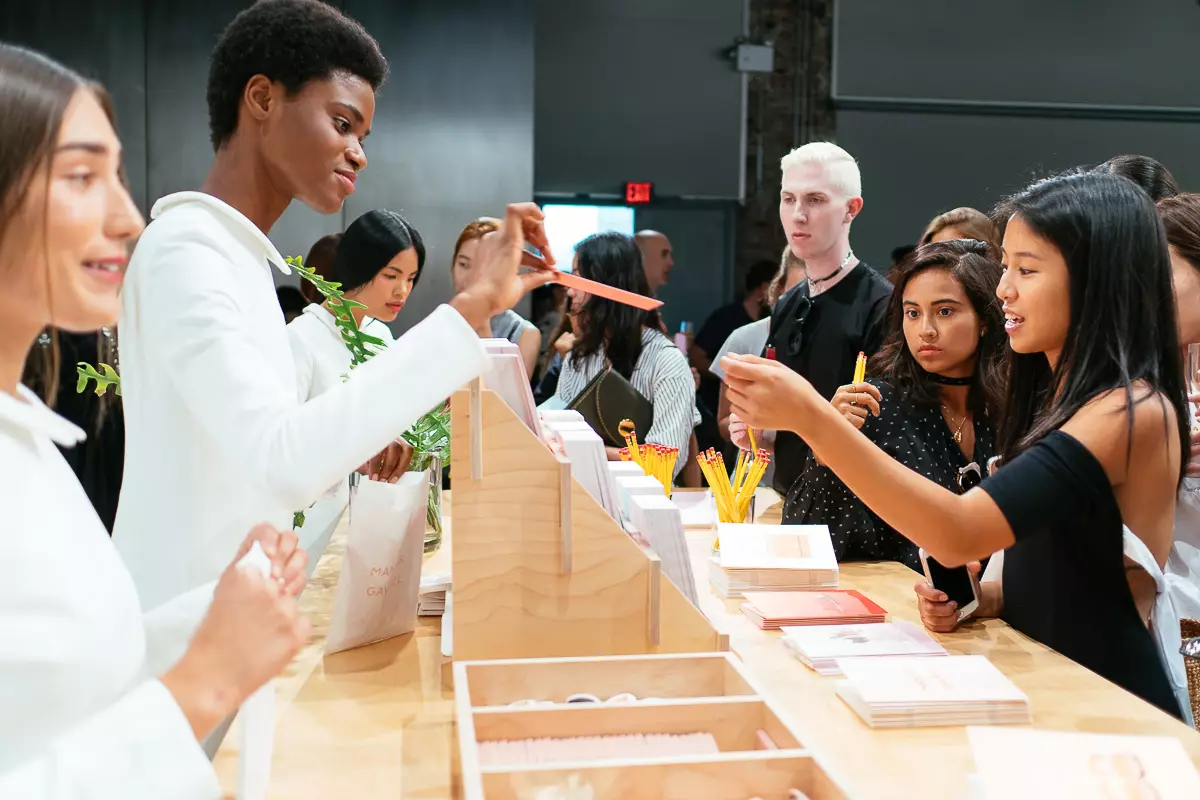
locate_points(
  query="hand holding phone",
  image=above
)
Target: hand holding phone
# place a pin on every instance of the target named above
(959, 586)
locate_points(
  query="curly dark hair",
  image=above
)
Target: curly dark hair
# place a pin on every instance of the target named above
(972, 264)
(290, 41)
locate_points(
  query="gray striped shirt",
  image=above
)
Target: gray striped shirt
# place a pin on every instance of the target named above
(662, 376)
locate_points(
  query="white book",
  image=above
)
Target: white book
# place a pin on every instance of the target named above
(792, 547)
(821, 646)
(1032, 763)
(506, 376)
(658, 522)
(910, 691)
(630, 486)
(699, 510)
(585, 449)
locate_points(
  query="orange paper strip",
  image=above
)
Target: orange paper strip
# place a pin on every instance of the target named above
(607, 292)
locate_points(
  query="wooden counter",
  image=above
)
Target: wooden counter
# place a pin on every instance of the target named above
(378, 722)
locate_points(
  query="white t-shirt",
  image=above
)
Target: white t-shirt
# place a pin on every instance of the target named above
(748, 340)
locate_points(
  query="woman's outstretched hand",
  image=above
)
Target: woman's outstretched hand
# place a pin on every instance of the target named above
(768, 395)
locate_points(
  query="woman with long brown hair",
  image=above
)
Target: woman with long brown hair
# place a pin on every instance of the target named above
(81, 716)
(935, 388)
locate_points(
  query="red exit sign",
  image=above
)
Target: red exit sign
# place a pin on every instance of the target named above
(638, 193)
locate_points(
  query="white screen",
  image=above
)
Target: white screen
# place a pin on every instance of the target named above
(568, 225)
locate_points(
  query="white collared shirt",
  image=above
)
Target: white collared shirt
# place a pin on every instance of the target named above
(79, 715)
(216, 438)
(322, 358)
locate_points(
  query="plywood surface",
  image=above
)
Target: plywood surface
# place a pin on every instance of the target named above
(378, 722)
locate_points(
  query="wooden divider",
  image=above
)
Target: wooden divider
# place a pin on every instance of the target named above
(540, 569)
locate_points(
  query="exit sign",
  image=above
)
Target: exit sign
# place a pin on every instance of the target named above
(638, 193)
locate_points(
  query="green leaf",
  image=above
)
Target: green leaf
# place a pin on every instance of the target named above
(108, 377)
(429, 435)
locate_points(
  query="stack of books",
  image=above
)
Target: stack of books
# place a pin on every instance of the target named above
(506, 376)
(658, 522)
(915, 691)
(1026, 763)
(821, 646)
(631, 486)
(772, 558)
(773, 610)
(699, 510)
(431, 602)
(584, 448)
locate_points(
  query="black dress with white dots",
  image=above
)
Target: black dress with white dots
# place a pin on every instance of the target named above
(915, 435)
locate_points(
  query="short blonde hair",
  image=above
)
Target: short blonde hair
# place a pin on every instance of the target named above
(840, 167)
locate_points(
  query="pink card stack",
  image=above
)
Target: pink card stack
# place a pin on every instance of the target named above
(590, 748)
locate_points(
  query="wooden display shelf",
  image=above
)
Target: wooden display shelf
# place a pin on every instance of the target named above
(540, 569)
(702, 692)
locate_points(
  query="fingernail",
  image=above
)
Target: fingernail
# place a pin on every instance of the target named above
(953, 606)
(941, 598)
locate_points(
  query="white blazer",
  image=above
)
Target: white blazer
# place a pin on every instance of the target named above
(82, 714)
(216, 438)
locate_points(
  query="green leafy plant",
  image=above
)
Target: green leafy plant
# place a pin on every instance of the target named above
(104, 378)
(361, 345)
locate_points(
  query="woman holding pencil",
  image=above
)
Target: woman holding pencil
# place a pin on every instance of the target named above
(1095, 387)
(935, 387)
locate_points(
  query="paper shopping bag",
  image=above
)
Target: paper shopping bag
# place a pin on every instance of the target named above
(380, 580)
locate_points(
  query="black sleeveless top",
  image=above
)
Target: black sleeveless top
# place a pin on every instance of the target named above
(1064, 579)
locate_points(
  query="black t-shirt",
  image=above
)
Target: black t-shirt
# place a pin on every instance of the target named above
(722, 322)
(839, 324)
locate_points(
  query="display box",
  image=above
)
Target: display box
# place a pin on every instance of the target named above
(707, 693)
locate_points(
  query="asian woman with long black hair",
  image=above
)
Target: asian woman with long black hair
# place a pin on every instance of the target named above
(1095, 387)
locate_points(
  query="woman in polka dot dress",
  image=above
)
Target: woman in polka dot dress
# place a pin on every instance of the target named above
(936, 385)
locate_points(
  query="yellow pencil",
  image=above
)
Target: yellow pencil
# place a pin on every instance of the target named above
(860, 368)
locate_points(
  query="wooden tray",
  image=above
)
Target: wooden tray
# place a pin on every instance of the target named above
(702, 692)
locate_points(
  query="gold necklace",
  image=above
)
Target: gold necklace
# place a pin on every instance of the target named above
(959, 430)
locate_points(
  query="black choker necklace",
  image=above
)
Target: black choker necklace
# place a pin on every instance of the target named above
(944, 381)
(835, 273)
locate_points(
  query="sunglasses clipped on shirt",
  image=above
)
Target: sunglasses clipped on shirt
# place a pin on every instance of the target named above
(795, 336)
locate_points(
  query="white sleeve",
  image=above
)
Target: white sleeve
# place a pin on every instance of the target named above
(192, 331)
(673, 395)
(302, 357)
(169, 628)
(140, 748)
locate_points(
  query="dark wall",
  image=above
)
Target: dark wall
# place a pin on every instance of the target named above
(637, 90)
(453, 134)
(971, 108)
(111, 52)
(453, 130)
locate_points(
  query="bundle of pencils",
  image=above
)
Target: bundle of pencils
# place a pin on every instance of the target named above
(733, 494)
(656, 460)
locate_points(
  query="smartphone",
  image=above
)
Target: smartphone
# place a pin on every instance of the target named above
(957, 583)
